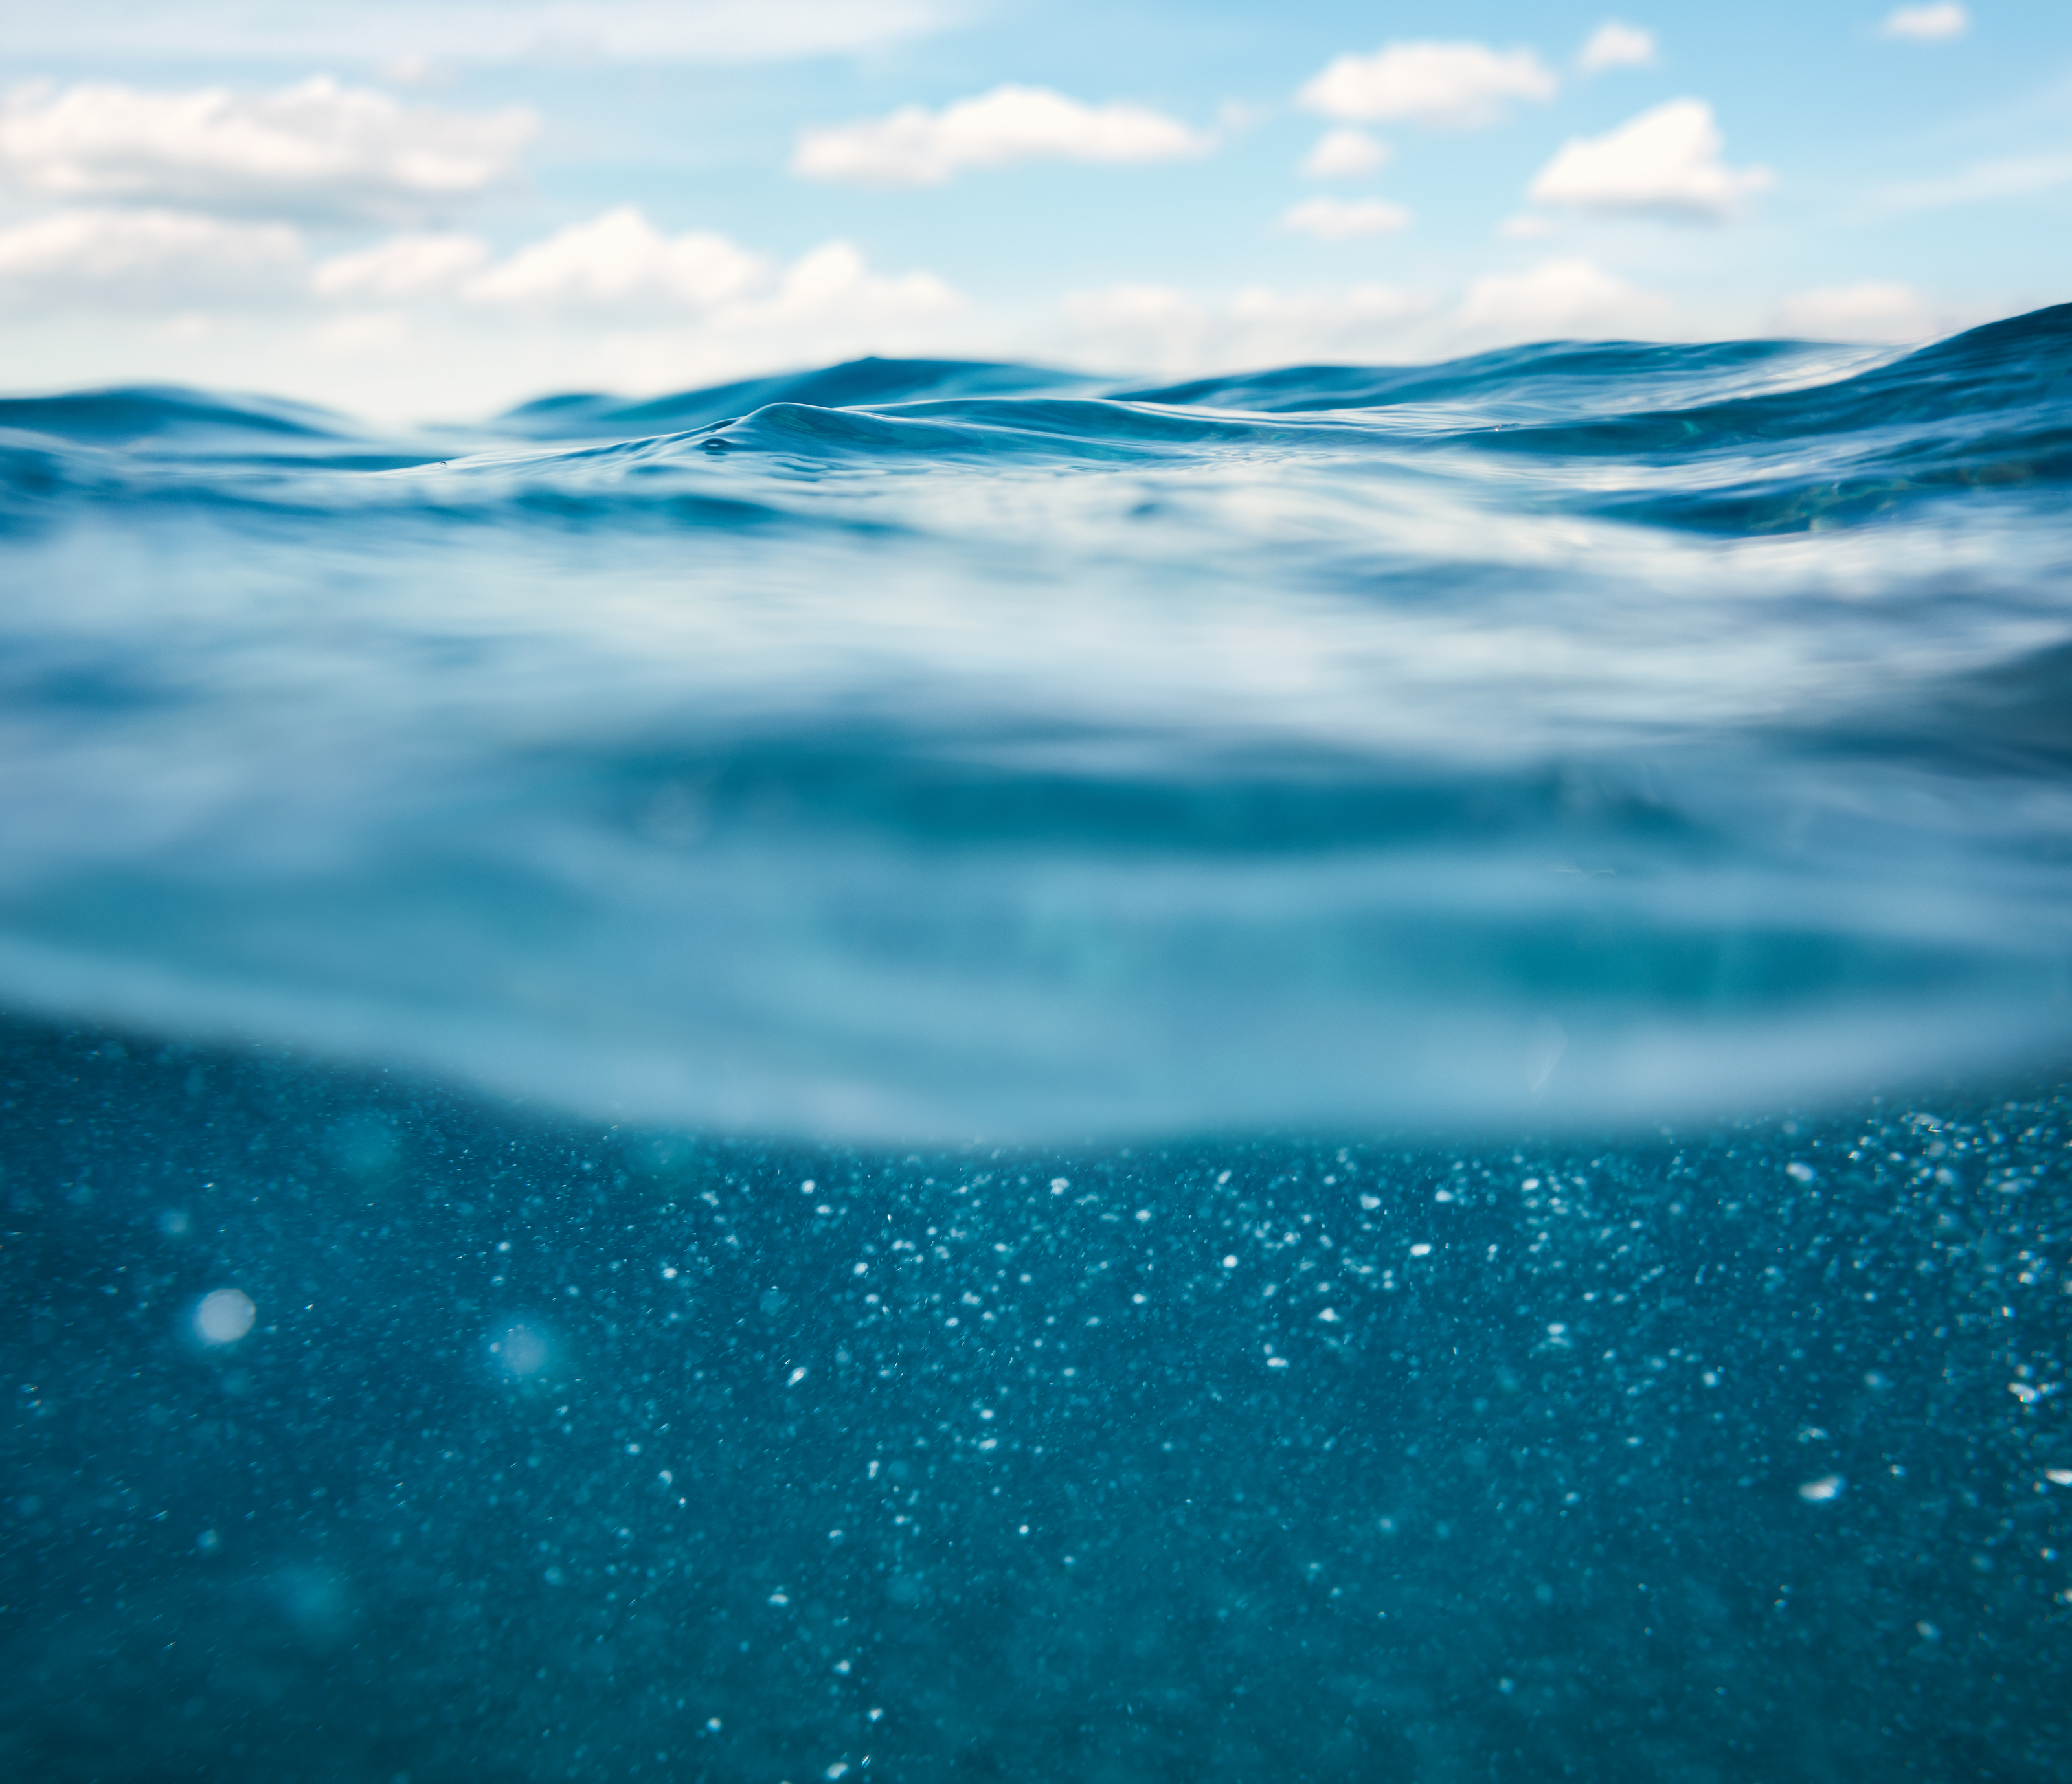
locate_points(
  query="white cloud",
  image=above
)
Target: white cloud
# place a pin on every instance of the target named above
(827, 305)
(1127, 307)
(362, 334)
(834, 284)
(1341, 219)
(1157, 331)
(1346, 153)
(1560, 299)
(1931, 24)
(404, 267)
(1528, 226)
(411, 69)
(147, 261)
(1869, 312)
(917, 147)
(1665, 162)
(596, 280)
(620, 260)
(398, 330)
(316, 148)
(1616, 45)
(1458, 86)
(471, 31)
(1364, 307)
(617, 268)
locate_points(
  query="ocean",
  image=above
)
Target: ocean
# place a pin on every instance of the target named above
(943, 1072)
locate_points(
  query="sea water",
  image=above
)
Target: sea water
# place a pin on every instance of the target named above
(949, 1071)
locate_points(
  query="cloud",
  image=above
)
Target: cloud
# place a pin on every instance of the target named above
(421, 324)
(1869, 312)
(602, 278)
(1341, 219)
(147, 261)
(1560, 299)
(402, 267)
(917, 147)
(620, 260)
(2015, 177)
(1455, 86)
(829, 304)
(314, 149)
(1615, 45)
(462, 348)
(1932, 24)
(1345, 154)
(617, 268)
(1665, 162)
(468, 31)
(834, 283)
(1155, 329)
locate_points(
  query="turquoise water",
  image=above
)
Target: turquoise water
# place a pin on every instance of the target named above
(555, 1451)
(944, 1072)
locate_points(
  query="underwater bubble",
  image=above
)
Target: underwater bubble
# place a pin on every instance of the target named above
(223, 1316)
(521, 1349)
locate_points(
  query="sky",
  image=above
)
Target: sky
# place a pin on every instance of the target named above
(433, 209)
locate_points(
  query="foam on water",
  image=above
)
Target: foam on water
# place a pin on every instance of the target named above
(1577, 733)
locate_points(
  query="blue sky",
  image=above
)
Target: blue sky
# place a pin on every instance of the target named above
(446, 206)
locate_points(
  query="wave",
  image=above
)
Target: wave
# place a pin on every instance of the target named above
(1583, 733)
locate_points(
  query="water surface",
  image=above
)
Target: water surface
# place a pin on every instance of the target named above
(1579, 732)
(945, 1072)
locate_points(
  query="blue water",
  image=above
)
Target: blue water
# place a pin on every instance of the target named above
(1573, 733)
(947, 1071)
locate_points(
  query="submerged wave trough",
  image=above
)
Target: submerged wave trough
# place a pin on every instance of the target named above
(1580, 732)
